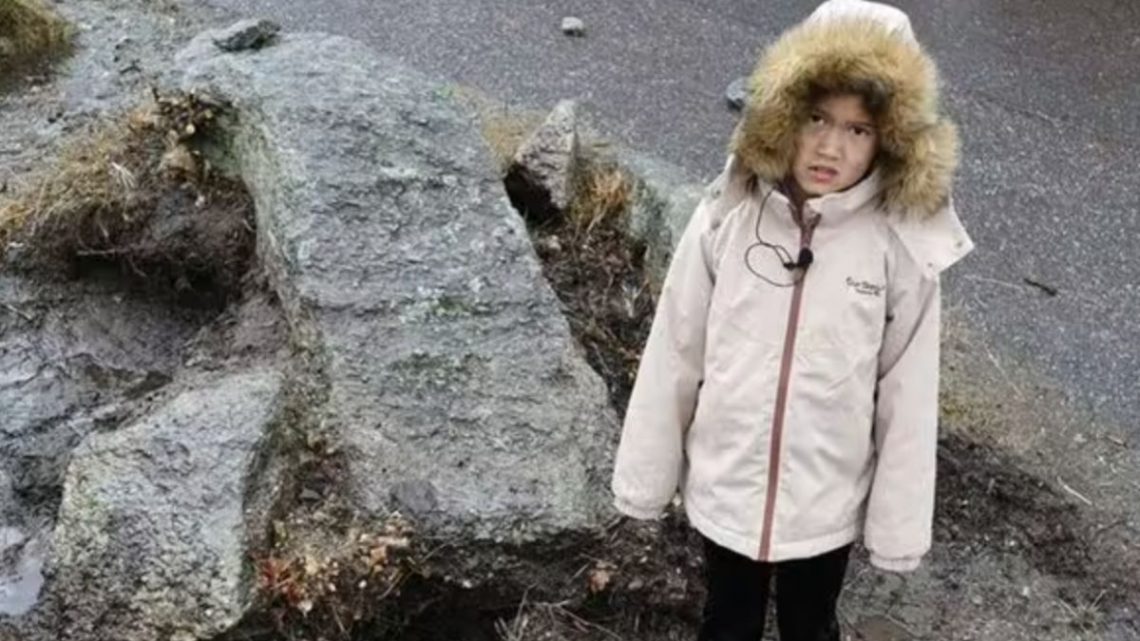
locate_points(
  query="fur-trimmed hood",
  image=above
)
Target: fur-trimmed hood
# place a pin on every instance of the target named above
(846, 43)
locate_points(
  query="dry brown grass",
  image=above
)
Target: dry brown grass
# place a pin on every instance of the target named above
(95, 179)
(29, 29)
(100, 183)
(504, 127)
(603, 195)
(134, 191)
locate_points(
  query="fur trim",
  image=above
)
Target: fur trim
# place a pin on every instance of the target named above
(918, 146)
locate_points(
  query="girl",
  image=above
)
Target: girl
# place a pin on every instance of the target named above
(789, 385)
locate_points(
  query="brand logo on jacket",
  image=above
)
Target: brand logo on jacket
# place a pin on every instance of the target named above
(865, 288)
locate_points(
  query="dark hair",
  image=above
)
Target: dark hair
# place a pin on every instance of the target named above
(876, 97)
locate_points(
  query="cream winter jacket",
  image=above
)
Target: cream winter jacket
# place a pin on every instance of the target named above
(797, 408)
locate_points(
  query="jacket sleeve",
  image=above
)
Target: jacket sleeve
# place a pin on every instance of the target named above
(900, 508)
(650, 454)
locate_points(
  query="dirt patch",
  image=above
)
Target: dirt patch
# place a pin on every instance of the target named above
(135, 192)
(636, 580)
(330, 574)
(986, 501)
(598, 273)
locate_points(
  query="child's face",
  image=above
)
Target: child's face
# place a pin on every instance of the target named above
(836, 147)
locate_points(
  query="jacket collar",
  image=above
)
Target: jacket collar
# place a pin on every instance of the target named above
(834, 209)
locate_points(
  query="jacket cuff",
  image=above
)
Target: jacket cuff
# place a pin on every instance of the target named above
(901, 564)
(637, 511)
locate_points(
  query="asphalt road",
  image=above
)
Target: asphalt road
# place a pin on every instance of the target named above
(1046, 92)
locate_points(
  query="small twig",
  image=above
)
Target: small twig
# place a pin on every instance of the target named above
(1001, 370)
(516, 629)
(589, 624)
(336, 619)
(580, 571)
(397, 580)
(1051, 291)
(433, 551)
(1073, 492)
(1108, 526)
(994, 281)
(902, 625)
(111, 251)
(123, 176)
(17, 312)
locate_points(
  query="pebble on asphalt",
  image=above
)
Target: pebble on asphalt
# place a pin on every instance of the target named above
(572, 26)
(737, 93)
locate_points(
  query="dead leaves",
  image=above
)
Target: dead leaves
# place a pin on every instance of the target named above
(380, 549)
(186, 118)
(600, 577)
(311, 579)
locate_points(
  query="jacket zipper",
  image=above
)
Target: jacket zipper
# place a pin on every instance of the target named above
(806, 231)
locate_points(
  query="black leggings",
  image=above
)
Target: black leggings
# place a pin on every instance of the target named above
(738, 588)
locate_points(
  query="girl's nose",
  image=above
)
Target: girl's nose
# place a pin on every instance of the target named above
(829, 143)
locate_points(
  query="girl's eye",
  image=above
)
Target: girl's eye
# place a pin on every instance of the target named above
(816, 118)
(861, 131)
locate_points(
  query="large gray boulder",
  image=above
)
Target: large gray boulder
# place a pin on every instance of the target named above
(151, 541)
(454, 390)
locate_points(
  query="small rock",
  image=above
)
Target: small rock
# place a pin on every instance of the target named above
(542, 178)
(572, 26)
(737, 93)
(551, 244)
(10, 537)
(247, 34)
(165, 469)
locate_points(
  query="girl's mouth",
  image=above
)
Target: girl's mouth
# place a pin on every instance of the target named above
(822, 174)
